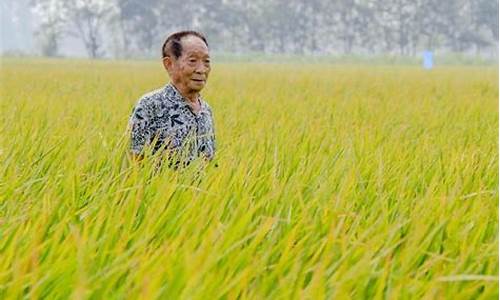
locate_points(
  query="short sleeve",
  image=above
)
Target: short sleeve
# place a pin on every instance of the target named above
(140, 128)
(212, 136)
(212, 140)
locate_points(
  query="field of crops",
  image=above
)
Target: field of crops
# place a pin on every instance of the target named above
(333, 182)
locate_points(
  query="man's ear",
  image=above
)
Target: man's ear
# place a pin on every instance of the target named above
(168, 64)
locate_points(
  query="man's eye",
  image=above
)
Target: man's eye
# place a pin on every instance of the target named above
(207, 61)
(192, 60)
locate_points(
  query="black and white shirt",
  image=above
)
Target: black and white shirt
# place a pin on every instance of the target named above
(164, 117)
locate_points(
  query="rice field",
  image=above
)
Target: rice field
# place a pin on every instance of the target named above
(333, 182)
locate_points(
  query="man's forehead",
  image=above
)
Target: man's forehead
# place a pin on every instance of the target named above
(193, 43)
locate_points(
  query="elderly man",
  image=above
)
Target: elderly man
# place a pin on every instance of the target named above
(175, 118)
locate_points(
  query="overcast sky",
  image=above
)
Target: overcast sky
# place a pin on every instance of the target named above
(18, 24)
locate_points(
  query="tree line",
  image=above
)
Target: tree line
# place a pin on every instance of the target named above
(136, 28)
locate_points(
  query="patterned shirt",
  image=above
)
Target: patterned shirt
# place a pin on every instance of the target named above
(164, 117)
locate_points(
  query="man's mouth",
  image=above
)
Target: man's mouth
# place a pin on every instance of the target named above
(198, 80)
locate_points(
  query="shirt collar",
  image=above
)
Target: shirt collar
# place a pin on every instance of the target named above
(174, 95)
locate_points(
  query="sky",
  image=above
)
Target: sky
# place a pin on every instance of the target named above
(16, 26)
(17, 29)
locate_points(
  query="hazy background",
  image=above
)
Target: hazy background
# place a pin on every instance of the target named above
(135, 29)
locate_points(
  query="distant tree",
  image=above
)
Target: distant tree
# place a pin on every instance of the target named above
(211, 20)
(431, 26)
(397, 22)
(120, 23)
(279, 19)
(53, 23)
(486, 15)
(234, 26)
(137, 27)
(258, 37)
(366, 26)
(174, 15)
(89, 17)
(136, 24)
(304, 24)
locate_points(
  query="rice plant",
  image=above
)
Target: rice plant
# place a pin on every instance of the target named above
(333, 182)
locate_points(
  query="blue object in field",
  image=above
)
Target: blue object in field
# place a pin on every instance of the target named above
(428, 60)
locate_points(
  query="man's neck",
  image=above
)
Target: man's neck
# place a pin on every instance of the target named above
(189, 96)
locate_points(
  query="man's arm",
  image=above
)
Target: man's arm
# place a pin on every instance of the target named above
(213, 142)
(140, 131)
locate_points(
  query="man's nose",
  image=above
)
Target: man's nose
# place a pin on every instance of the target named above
(201, 68)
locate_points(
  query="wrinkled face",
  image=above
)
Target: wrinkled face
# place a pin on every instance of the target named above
(189, 72)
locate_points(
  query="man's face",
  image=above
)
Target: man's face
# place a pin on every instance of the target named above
(189, 72)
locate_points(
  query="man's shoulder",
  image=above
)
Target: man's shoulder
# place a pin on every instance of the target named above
(206, 106)
(151, 98)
